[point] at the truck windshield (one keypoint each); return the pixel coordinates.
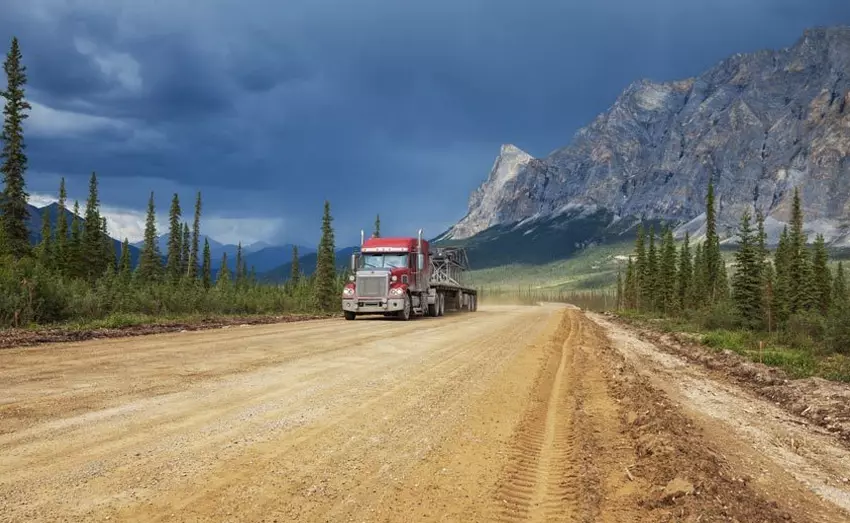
(377, 261)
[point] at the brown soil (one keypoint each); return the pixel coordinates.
(508, 414)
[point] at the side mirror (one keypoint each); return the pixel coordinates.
(355, 258)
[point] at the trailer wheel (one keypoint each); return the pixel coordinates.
(432, 309)
(441, 304)
(350, 315)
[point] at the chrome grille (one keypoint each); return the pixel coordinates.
(372, 286)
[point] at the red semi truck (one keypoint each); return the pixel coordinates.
(402, 277)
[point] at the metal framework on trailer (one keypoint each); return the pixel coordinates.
(448, 267)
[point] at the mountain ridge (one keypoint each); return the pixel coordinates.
(758, 124)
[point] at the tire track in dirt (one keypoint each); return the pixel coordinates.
(544, 480)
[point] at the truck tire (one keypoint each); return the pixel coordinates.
(350, 315)
(441, 304)
(404, 314)
(432, 309)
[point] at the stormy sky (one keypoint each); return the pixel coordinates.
(387, 106)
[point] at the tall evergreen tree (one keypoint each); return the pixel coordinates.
(699, 287)
(75, 245)
(61, 242)
(239, 264)
(821, 276)
(667, 273)
(150, 263)
(714, 279)
(781, 303)
(125, 267)
(631, 290)
(650, 278)
(802, 285)
(685, 280)
(294, 269)
(14, 213)
(206, 267)
(223, 277)
(186, 254)
(377, 231)
(326, 294)
(196, 238)
(640, 268)
(44, 252)
(107, 248)
(747, 282)
(618, 305)
(92, 254)
(175, 238)
(839, 287)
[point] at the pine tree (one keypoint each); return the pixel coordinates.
(92, 255)
(685, 280)
(768, 295)
(640, 268)
(781, 303)
(667, 273)
(747, 282)
(14, 213)
(821, 276)
(326, 295)
(107, 248)
(75, 245)
(714, 279)
(377, 232)
(150, 263)
(239, 264)
(802, 296)
(175, 238)
(650, 277)
(294, 269)
(196, 238)
(124, 265)
(699, 287)
(206, 268)
(630, 286)
(61, 240)
(839, 287)
(186, 254)
(44, 252)
(223, 277)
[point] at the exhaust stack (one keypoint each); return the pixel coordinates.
(361, 238)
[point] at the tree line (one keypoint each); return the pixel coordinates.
(791, 291)
(75, 271)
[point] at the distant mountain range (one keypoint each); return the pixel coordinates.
(306, 263)
(261, 255)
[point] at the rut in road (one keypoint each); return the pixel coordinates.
(545, 479)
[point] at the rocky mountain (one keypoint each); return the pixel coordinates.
(757, 124)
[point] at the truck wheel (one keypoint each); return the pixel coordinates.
(432, 310)
(350, 315)
(404, 314)
(441, 304)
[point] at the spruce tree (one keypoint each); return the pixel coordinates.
(107, 248)
(802, 296)
(223, 277)
(781, 303)
(714, 280)
(630, 301)
(294, 269)
(175, 238)
(650, 277)
(640, 268)
(839, 287)
(150, 263)
(44, 252)
(768, 295)
(747, 281)
(699, 288)
(377, 232)
(14, 213)
(124, 265)
(61, 241)
(326, 294)
(685, 280)
(206, 268)
(75, 245)
(239, 264)
(821, 276)
(186, 254)
(196, 238)
(667, 273)
(92, 255)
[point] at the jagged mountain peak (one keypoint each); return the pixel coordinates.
(757, 124)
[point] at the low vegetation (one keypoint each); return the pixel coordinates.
(74, 274)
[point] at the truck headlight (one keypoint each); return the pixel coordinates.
(348, 291)
(397, 291)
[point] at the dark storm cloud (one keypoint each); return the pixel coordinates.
(379, 106)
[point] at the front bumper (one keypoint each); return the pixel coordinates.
(372, 305)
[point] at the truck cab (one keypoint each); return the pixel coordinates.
(390, 276)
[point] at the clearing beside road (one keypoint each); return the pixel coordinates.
(507, 414)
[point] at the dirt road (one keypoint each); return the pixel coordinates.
(507, 414)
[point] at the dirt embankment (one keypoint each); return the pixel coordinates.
(506, 414)
(821, 402)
